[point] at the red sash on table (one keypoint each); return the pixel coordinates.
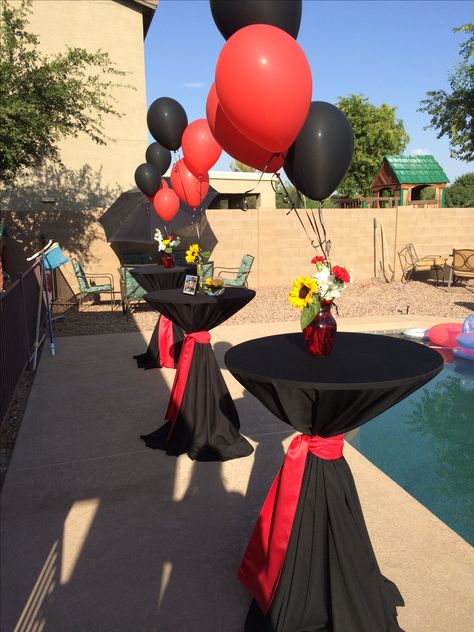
(261, 567)
(166, 342)
(182, 372)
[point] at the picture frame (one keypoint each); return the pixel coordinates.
(190, 284)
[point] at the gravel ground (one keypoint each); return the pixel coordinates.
(370, 298)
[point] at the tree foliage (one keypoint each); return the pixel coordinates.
(44, 99)
(377, 132)
(236, 165)
(461, 192)
(452, 112)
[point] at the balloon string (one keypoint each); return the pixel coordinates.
(274, 155)
(293, 208)
(326, 241)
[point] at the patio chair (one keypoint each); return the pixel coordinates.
(239, 275)
(462, 267)
(90, 290)
(135, 258)
(130, 289)
(179, 257)
(411, 263)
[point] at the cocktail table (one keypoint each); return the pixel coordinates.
(201, 418)
(309, 563)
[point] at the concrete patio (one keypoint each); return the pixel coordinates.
(101, 534)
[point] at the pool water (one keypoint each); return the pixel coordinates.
(426, 444)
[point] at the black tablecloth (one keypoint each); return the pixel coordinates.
(207, 423)
(330, 580)
(153, 277)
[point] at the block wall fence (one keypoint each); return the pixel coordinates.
(281, 248)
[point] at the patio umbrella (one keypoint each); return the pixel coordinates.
(132, 219)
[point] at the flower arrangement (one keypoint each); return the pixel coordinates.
(325, 285)
(168, 243)
(194, 254)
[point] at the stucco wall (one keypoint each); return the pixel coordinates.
(116, 28)
(281, 248)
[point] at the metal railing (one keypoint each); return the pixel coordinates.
(18, 318)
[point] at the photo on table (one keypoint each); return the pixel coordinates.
(190, 284)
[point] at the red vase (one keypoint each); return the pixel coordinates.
(320, 334)
(168, 260)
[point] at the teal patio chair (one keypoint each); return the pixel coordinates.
(86, 289)
(179, 257)
(237, 276)
(130, 289)
(135, 258)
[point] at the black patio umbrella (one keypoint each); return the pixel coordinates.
(132, 219)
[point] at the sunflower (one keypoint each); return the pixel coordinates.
(301, 294)
(192, 253)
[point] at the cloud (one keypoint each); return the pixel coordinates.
(420, 152)
(195, 84)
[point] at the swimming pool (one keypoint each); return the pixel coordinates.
(425, 443)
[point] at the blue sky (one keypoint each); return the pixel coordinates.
(390, 51)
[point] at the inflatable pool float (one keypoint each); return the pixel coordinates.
(466, 340)
(462, 352)
(445, 334)
(415, 332)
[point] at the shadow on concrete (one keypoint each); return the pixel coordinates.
(101, 533)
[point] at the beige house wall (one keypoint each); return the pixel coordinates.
(281, 248)
(116, 28)
(241, 182)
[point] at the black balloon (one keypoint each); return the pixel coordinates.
(148, 178)
(322, 153)
(159, 156)
(167, 120)
(232, 15)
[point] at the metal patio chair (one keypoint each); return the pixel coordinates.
(462, 267)
(86, 289)
(411, 263)
(238, 276)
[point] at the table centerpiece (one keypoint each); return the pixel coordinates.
(313, 296)
(166, 245)
(194, 254)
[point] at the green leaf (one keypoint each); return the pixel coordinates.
(308, 314)
(206, 254)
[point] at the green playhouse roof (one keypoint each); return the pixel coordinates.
(416, 169)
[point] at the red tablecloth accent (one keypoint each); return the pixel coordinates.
(166, 342)
(263, 560)
(182, 371)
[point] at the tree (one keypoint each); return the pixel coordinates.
(452, 112)
(236, 165)
(461, 193)
(282, 200)
(44, 99)
(377, 132)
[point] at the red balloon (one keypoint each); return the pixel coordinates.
(264, 85)
(165, 203)
(163, 185)
(188, 188)
(235, 143)
(200, 148)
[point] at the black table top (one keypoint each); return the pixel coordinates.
(178, 296)
(364, 375)
(153, 276)
(158, 268)
(197, 312)
(357, 361)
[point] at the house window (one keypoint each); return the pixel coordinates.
(235, 201)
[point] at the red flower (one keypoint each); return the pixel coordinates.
(341, 274)
(318, 260)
